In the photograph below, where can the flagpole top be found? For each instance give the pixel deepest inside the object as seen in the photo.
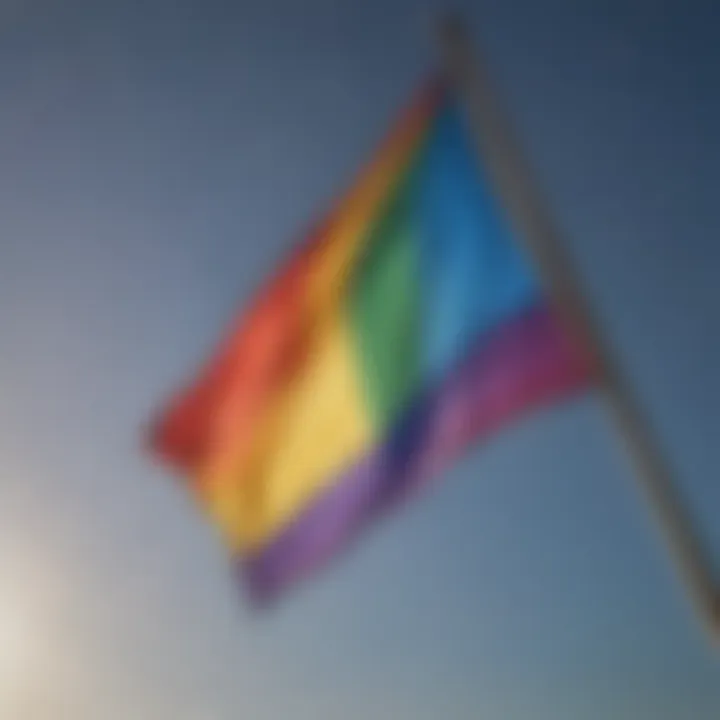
(460, 59)
(451, 23)
(452, 30)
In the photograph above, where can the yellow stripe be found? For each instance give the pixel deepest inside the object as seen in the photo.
(318, 424)
(318, 429)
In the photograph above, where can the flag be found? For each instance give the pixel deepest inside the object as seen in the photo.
(407, 327)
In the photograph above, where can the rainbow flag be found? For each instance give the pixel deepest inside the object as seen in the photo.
(407, 327)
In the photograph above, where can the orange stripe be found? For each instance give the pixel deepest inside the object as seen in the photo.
(265, 347)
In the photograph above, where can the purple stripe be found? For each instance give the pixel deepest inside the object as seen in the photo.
(525, 364)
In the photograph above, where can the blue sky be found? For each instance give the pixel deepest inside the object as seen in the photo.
(156, 158)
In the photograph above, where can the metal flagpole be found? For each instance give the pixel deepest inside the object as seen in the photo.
(521, 198)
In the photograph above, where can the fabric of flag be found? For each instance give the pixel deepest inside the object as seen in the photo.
(408, 326)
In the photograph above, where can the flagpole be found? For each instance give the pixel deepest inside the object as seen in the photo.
(511, 176)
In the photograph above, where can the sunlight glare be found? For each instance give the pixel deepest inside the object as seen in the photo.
(15, 642)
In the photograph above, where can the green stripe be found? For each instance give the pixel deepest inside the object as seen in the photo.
(384, 308)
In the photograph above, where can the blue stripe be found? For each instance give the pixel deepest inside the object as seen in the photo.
(474, 275)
